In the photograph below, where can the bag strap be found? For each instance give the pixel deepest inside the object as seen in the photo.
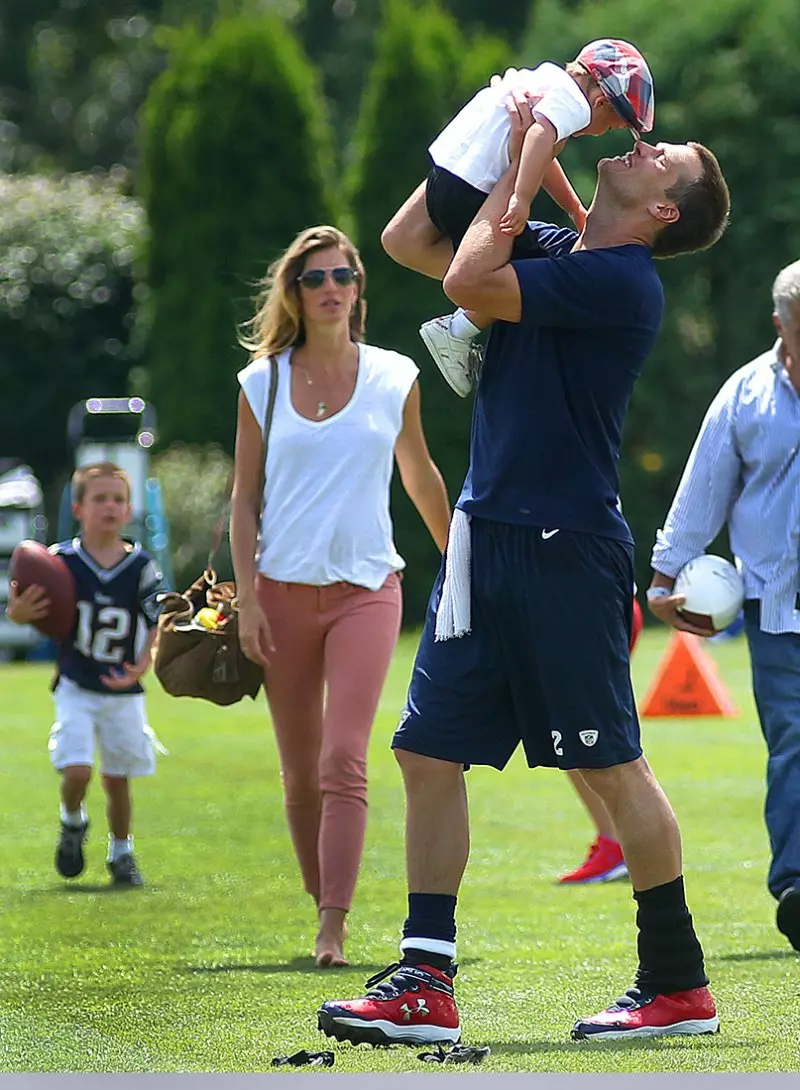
(222, 521)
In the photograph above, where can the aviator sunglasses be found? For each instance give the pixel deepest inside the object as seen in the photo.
(342, 275)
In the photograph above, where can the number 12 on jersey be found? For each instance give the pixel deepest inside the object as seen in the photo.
(100, 629)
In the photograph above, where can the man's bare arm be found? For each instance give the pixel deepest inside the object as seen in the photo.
(480, 277)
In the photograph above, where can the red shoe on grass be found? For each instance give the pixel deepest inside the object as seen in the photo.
(691, 1012)
(604, 863)
(415, 1006)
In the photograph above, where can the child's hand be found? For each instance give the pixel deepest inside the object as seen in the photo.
(515, 217)
(578, 217)
(29, 607)
(124, 678)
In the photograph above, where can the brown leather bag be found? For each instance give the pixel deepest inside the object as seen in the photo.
(207, 662)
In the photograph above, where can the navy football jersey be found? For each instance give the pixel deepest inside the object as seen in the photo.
(116, 608)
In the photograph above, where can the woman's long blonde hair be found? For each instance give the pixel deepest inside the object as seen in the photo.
(277, 323)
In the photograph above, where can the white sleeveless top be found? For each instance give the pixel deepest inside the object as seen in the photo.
(326, 496)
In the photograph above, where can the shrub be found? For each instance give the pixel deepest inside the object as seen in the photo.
(235, 161)
(67, 249)
(193, 480)
(417, 83)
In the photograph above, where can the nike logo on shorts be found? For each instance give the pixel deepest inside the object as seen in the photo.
(548, 533)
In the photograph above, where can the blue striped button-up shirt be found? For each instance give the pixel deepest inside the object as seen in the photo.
(744, 469)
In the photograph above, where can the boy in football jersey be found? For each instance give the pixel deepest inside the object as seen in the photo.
(99, 700)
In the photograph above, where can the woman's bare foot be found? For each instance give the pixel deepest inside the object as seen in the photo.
(329, 945)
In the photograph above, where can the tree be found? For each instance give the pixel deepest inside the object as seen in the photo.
(67, 248)
(74, 73)
(73, 77)
(193, 482)
(504, 17)
(416, 84)
(236, 161)
(339, 38)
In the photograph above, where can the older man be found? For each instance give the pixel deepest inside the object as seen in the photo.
(536, 589)
(744, 470)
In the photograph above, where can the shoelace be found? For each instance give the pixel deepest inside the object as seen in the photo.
(633, 998)
(400, 981)
(72, 839)
(474, 362)
(126, 866)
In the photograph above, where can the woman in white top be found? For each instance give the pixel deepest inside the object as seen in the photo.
(319, 591)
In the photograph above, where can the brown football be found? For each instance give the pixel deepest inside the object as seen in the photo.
(30, 564)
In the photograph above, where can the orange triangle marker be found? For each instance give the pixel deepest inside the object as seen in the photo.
(687, 682)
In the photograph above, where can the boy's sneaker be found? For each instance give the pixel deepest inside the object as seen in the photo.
(604, 863)
(414, 1006)
(457, 358)
(69, 852)
(637, 1015)
(788, 917)
(124, 871)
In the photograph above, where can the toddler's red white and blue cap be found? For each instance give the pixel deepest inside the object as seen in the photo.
(624, 78)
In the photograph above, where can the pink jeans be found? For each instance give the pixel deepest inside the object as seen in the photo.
(333, 647)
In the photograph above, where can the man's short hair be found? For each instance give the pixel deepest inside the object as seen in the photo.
(704, 205)
(786, 293)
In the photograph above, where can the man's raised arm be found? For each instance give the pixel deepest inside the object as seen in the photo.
(480, 277)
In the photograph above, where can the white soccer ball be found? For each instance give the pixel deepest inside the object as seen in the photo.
(712, 588)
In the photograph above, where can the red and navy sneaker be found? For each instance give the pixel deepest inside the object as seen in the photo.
(638, 1015)
(604, 863)
(414, 1006)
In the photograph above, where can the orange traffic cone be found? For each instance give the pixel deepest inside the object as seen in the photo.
(687, 682)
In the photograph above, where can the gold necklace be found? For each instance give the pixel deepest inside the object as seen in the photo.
(322, 407)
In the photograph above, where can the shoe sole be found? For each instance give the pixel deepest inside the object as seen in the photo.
(620, 871)
(373, 1033)
(125, 883)
(432, 349)
(694, 1027)
(788, 919)
(70, 866)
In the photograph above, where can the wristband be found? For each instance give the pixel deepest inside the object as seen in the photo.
(657, 592)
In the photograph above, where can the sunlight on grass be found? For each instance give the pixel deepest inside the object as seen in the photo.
(208, 969)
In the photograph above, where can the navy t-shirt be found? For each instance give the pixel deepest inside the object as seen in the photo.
(555, 386)
(116, 607)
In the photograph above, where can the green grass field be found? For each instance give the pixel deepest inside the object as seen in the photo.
(208, 969)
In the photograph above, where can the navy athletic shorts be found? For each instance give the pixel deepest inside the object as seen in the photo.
(453, 204)
(546, 662)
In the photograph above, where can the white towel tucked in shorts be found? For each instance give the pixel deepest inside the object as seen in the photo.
(453, 614)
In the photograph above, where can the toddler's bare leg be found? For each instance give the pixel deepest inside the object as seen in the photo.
(410, 238)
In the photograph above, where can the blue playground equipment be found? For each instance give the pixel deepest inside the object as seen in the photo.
(121, 430)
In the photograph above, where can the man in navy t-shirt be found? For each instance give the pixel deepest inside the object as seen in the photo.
(526, 638)
(556, 384)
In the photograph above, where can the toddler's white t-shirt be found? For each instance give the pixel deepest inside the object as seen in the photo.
(474, 145)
